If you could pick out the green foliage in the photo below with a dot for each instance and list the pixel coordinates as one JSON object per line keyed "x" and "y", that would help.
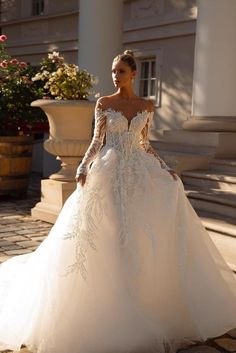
{"x": 64, "y": 81}
{"x": 17, "y": 91}
{"x": 20, "y": 84}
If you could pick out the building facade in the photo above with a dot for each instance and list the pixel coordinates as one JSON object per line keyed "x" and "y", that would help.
{"x": 161, "y": 33}
{"x": 36, "y": 27}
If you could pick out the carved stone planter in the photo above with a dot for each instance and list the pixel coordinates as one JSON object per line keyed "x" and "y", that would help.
{"x": 70, "y": 133}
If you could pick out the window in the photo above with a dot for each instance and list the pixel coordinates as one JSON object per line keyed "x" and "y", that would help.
{"x": 147, "y": 87}
{"x": 149, "y": 84}
{"x": 37, "y": 7}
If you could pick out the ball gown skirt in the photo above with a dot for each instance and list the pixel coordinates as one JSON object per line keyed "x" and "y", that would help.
{"x": 127, "y": 267}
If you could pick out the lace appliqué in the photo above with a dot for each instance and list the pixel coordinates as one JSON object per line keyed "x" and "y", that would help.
{"x": 84, "y": 224}
{"x": 144, "y": 141}
{"x": 96, "y": 143}
{"x": 83, "y": 227}
{"x": 129, "y": 142}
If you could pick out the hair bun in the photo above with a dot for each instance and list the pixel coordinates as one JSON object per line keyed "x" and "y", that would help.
{"x": 129, "y": 52}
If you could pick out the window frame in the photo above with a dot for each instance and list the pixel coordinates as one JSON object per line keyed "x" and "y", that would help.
{"x": 34, "y": 3}
{"x": 149, "y": 78}
{"x": 150, "y": 55}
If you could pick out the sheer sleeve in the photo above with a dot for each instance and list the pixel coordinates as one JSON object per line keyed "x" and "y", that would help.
{"x": 144, "y": 141}
{"x": 96, "y": 143}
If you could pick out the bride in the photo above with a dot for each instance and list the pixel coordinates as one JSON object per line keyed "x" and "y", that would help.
{"x": 128, "y": 265}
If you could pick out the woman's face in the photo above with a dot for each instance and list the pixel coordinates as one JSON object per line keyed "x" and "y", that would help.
{"x": 122, "y": 74}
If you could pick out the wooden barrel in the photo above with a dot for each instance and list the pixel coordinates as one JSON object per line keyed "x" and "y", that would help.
{"x": 15, "y": 164}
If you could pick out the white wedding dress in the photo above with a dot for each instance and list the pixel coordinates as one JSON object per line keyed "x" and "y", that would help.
{"x": 128, "y": 265}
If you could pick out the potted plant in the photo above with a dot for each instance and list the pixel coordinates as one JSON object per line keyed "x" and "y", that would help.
{"x": 66, "y": 89}
{"x": 18, "y": 121}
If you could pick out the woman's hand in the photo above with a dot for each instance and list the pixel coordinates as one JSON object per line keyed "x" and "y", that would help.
{"x": 174, "y": 175}
{"x": 81, "y": 178}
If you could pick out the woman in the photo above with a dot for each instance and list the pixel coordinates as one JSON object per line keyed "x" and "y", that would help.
{"x": 128, "y": 265}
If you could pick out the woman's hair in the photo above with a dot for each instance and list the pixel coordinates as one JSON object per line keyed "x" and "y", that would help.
{"x": 128, "y": 57}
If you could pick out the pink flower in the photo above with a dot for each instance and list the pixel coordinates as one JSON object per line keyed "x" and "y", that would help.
{"x": 22, "y": 64}
{"x": 14, "y": 61}
{"x": 3, "y": 37}
{"x": 3, "y": 64}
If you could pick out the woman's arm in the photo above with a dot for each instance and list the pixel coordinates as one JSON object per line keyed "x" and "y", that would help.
{"x": 145, "y": 143}
{"x": 96, "y": 143}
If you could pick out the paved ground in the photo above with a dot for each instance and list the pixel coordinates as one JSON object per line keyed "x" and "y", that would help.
{"x": 20, "y": 233}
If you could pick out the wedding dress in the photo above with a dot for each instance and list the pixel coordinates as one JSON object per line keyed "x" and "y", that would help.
{"x": 128, "y": 265}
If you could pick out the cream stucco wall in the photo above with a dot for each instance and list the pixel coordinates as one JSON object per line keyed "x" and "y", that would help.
{"x": 31, "y": 37}
{"x": 214, "y": 94}
{"x": 164, "y": 28}
{"x": 177, "y": 80}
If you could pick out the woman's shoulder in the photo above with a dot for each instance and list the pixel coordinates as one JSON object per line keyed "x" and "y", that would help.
{"x": 148, "y": 105}
{"x": 104, "y": 102}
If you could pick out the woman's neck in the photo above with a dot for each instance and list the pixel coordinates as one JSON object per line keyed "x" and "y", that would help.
{"x": 126, "y": 94}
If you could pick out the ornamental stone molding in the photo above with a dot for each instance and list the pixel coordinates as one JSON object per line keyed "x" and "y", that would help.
{"x": 66, "y": 147}
{"x": 146, "y": 8}
{"x": 34, "y": 29}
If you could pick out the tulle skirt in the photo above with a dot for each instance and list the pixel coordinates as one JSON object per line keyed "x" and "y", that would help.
{"x": 127, "y": 267}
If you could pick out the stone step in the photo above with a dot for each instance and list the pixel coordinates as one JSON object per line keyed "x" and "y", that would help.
{"x": 222, "y": 231}
{"x": 207, "y": 138}
{"x": 215, "y": 222}
{"x": 220, "y": 209}
{"x": 223, "y": 143}
{"x": 213, "y": 195}
{"x": 226, "y": 246}
{"x": 181, "y": 161}
{"x": 226, "y": 165}
{"x": 183, "y": 147}
{"x": 209, "y": 179}
{"x": 218, "y": 201}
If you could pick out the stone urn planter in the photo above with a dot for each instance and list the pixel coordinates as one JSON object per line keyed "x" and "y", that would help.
{"x": 70, "y": 133}
{"x": 15, "y": 164}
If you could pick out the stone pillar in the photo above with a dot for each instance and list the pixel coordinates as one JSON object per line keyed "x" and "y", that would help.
{"x": 100, "y": 39}
{"x": 214, "y": 97}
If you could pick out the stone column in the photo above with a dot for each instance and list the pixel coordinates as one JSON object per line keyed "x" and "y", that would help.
{"x": 100, "y": 39}
{"x": 214, "y": 88}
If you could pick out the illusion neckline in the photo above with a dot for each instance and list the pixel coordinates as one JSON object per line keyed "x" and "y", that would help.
{"x": 129, "y": 121}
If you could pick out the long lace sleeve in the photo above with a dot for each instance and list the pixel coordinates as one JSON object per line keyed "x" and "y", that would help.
{"x": 96, "y": 143}
{"x": 144, "y": 141}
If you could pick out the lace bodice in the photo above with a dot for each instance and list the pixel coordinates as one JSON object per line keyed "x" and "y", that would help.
{"x": 126, "y": 136}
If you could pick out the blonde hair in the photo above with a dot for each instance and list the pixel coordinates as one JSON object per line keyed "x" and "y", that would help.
{"x": 128, "y": 57}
